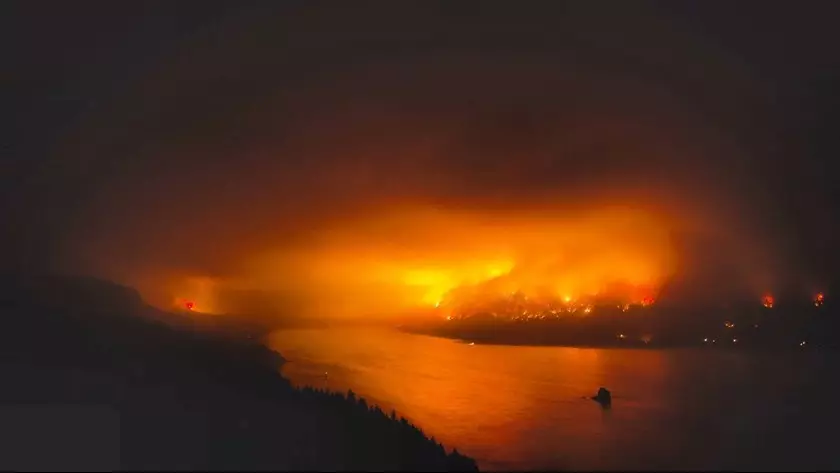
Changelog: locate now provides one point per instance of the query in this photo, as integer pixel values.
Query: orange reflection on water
(492, 402)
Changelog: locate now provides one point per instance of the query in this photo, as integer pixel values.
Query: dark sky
(181, 133)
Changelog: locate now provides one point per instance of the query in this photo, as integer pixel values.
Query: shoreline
(220, 396)
(630, 345)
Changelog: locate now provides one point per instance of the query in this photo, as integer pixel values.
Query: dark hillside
(187, 398)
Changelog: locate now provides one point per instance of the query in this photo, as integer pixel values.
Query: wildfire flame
(415, 260)
(819, 299)
(768, 301)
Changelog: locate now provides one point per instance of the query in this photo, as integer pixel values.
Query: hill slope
(188, 398)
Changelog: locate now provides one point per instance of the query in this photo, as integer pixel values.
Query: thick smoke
(300, 170)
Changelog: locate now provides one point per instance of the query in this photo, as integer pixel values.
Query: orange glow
(394, 262)
(197, 295)
(819, 299)
(768, 301)
(447, 396)
(413, 260)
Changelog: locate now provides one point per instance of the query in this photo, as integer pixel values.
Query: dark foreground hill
(176, 396)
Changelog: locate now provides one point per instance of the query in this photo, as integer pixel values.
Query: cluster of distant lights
(735, 340)
(768, 301)
(558, 309)
(548, 313)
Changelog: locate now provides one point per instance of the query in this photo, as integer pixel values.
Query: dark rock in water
(604, 398)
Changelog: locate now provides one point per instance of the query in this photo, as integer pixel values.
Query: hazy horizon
(366, 167)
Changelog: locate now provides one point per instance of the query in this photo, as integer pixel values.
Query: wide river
(525, 408)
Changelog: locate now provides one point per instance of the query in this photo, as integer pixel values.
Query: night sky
(185, 137)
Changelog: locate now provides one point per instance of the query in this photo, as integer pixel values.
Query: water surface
(514, 407)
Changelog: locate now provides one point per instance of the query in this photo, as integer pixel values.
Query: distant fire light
(768, 301)
(190, 305)
(819, 299)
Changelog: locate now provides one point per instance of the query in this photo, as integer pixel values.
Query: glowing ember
(190, 305)
(768, 301)
(819, 299)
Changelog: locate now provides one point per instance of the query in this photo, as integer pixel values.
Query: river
(514, 407)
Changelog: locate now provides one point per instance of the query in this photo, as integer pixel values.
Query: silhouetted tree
(234, 389)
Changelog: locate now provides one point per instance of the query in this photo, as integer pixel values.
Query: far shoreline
(722, 347)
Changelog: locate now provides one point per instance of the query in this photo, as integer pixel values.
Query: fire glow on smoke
(412, 259)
